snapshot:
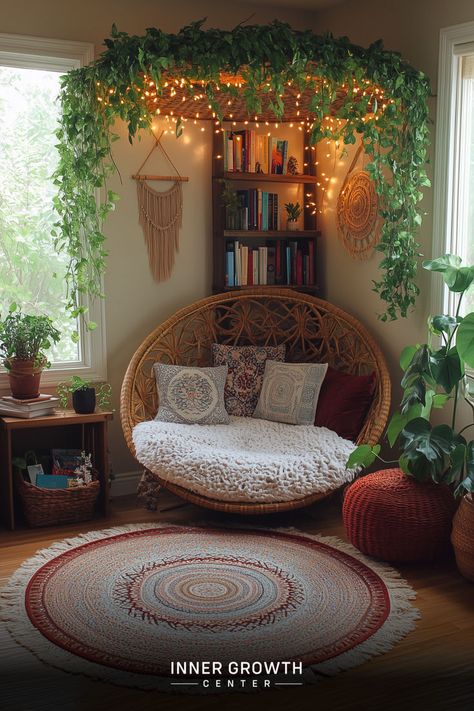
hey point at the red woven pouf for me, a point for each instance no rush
(393, 517)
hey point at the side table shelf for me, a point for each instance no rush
(65, 428)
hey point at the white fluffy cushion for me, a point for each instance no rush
(247, 460)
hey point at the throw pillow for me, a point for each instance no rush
(344, 402)
(189, 395)
(245, 374)
(290, 392)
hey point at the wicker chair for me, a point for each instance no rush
(313, 331)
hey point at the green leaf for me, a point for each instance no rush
(442, 263)
(443, 324)
(446, 368)
(440, 400)
(406, 356)
(91, 325)
(363, 456)
(465, 340)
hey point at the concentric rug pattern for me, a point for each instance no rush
(119, 605)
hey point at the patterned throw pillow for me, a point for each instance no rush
(290, 392)
(190, 395)
(245, 375)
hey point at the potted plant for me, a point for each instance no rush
(293, 211)
(85, 397)
(24, 338)
(230, 201)
(434, 374)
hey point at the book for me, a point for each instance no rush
(311, 263)
(40, 400)
(244, 252)
(230, 265)
(271, 263)
(52, 481)
(255, 258)
(9, 411)
(65, 461)
(276, 149)
(250, 280)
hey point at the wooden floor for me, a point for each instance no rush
(432, 668)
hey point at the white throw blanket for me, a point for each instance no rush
(247, 460)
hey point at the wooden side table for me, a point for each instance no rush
(64, 429)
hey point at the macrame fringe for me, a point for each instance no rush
(160, 216)
(400, 621)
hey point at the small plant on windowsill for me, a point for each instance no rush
(433, 375)
(85, 397)
(24, 340)
(293, 211)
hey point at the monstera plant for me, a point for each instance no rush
(435, 374)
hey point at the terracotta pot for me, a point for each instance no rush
(83, 401)
(393, 517)
(462, 537)
(24, 378)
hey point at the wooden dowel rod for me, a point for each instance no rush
(171, 178)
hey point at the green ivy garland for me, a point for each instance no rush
(112, 87)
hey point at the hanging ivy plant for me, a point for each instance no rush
(267, 58)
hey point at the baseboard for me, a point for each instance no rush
(125, 483)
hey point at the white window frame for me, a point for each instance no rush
(454, 42)
(61, 55)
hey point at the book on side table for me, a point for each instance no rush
(27, 409)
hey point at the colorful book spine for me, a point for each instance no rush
(311, 263)
(230, 266)
(271, 265)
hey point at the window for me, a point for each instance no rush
(31, 271)
(454, 176)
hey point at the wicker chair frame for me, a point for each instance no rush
(313, 330)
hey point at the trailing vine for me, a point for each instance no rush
(268, 58)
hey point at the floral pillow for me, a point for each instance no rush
(189, 395)
(246, 365)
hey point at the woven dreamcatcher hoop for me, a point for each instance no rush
(358, 220)
(160, 215)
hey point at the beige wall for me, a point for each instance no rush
(135, 304)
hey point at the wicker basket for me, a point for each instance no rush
(393, 517)
(462, 537)
(49, 507)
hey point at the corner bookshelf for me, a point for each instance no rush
(289, 188)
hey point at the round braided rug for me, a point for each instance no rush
(357, 215)
(121, 604)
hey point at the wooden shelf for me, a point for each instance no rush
(273, 234)
(307, 288)
(267, 177)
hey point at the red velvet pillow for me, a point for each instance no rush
(344, 402)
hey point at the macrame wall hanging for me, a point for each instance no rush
(160, 215)
(358, 220)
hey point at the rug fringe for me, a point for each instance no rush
(401, 619)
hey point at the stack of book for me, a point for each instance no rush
(37, 407)
(286, 263)
(250, 152)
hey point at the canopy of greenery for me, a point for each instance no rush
(267, 57)
(433, 375)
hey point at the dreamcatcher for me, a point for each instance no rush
(358, 219)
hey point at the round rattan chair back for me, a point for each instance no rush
(313, 330)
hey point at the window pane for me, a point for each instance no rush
(28, 158)
(469, 119)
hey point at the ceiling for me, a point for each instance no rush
(302, 4)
